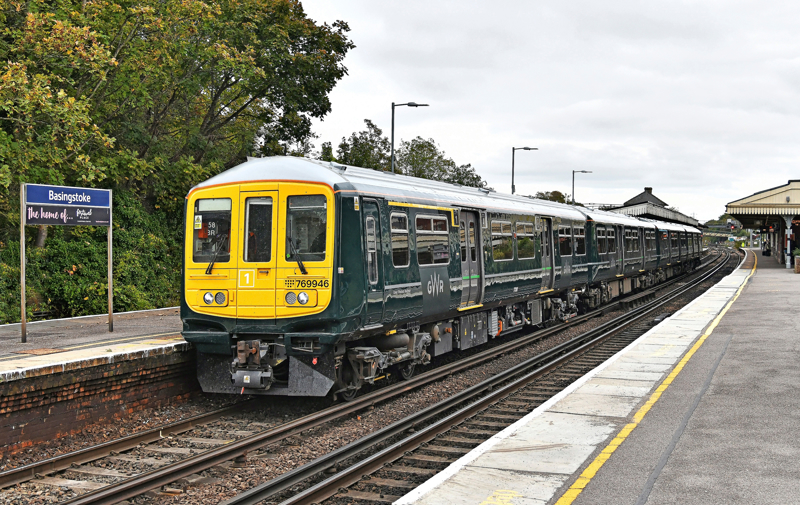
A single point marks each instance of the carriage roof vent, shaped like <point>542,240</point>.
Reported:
<point>337,166</point>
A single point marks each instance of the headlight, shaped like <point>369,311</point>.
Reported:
<point>220,298</point>
<point>290,298</point>
<point>302,298</point>
<point>208,298</point>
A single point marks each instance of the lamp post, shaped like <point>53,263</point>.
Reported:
<point>573,181</point>
<point>513,150</point>
<point>410,104</point>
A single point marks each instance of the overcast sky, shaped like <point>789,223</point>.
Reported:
<point>699,100</point>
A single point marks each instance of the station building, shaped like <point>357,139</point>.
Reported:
<point>776,212</point>
<point>649,206</point>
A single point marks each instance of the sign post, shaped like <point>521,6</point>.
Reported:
<point>64,206</point>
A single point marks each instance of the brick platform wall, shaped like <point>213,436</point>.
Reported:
<point>45,407</point>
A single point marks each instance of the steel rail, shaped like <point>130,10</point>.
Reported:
<point>139,484</point>
<point>542,363</point>
<point>64,461</point>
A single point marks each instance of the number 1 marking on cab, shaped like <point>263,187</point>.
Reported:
<point>247,278</point>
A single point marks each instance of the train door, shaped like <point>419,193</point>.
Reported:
<point>471,260</point>
<point>547,254</point>
<point>614,250</point>
<point>258,230</point>
<point>565,250</point>
<point>373,261</point>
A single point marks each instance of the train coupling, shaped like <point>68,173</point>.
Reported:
<point>247,369</point>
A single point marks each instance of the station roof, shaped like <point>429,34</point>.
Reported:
<point>645,196</point>
<point>767,205</point>
<point>649,206</point>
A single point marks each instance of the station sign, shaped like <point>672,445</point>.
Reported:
<point>42,204</point>
<point>66,206</point>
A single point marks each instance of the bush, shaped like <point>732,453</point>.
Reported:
<point>68,277</point>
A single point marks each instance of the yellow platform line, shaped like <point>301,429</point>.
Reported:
<point>583,480</point>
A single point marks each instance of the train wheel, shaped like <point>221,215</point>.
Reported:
<point>407,371</point>
<point>348,395</point>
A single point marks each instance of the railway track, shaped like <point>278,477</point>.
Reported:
<point>230,448</point>
<point>409,452</point>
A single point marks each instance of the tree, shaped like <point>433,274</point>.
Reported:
<point>553,196</point>
<point>171,91</point>
<point>366,149</point>
<point>423,158</point>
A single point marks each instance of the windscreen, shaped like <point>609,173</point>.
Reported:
<point>212,228</point>
<point>306,227</point>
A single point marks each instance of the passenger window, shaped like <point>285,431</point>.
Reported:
<point>601,240</point>
<point>611,237</point>
<point>526,241</point>
<point>306,227</point>
<point>433,246</point>
<point>400,253</point>
<point>212,227</point>
<point>565,241</point>
<point>258,223</point>
<point>502,241</point>
<point>580,241</point>
<point>372,251</point>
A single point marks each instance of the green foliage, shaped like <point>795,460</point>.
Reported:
<point>418,157</point>
<point>146,97</point>
<point>366,149</point>
<point>553,196</point>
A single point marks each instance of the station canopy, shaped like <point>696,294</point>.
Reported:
<point>767,207</point>
<point>647,205</point>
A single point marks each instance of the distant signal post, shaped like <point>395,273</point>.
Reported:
<point>64,206</point>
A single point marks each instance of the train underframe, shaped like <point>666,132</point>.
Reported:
<point>262,366</point>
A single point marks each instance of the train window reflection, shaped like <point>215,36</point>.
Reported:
<point>601,240</point>
<point>258,223</point>
<point>400,253</point>
<point>580,241</point>
<point>502,241</point>
<point>526,241</point>
<point>472,247</point>
<point>306,227</point>
<point>433,245</point>
<point>212,227</point>
<point>372,251</point>
<point>565,240</point>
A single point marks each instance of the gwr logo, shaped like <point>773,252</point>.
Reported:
<point>435,285</point>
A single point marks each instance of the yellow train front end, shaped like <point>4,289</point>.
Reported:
<point>258,261</point>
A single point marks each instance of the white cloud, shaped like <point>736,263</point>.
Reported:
<point>697,99</point>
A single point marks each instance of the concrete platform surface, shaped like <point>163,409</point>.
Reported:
<point>609,437</point>
<point>63,344</point>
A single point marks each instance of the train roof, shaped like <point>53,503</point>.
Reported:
<point>346,178</point>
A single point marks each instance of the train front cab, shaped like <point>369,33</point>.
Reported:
<point>258,259</point>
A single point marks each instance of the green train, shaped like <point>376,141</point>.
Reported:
<point>310,278</point>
